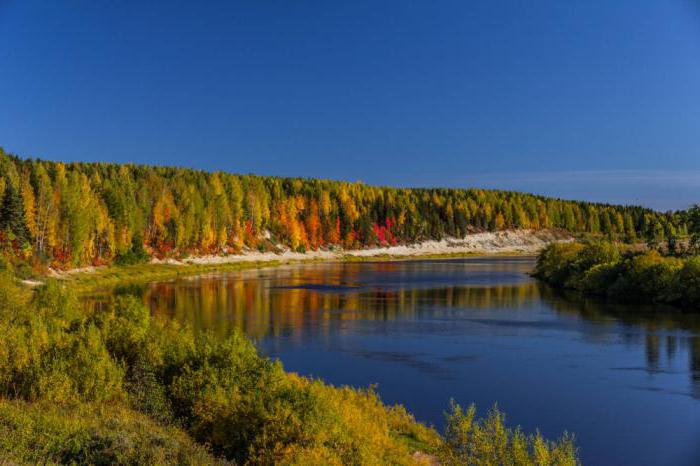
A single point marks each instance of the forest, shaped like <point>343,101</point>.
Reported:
<point>117,385</point>
<point>66,215</point>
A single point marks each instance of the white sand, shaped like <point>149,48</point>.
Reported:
<point>502,242</point>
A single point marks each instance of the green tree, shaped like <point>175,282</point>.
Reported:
<point>12,218</point>
<point>694,228</point>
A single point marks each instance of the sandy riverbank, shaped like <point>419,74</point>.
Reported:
<point>490,243</point>
<point>501,242</point>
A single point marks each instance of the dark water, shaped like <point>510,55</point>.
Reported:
<point>625,379</point>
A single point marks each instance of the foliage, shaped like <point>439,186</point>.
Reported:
<point>472,441</point>
<point>91,433</point>
<point>606,269</point>
<point>115,385</point>
<point>97,213</point>
<point>12,218</point>
<point>555,263</point>
<point>693,221</point>
<point>137,254</point>
<point>50,352</point>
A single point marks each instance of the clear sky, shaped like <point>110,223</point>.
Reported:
<point>596,99</point>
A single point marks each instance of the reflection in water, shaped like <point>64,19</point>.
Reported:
<point>317,299</point>
<point>287,300</point>
<point>478,329</point>
<point>660,329</point>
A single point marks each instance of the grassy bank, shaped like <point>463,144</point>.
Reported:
<point>117,386</point>
<point>615,271</point>
<point>110,276</point>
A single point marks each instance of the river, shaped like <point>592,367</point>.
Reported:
<point>624,379</point>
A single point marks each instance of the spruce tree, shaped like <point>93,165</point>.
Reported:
<point>12,218</point>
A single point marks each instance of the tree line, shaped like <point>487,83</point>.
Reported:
<point>73,214</point>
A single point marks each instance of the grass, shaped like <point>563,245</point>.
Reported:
<point>113,275</point>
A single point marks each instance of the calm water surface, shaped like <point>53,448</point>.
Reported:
<point>626,380</point>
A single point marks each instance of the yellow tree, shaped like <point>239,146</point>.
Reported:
<point>313,226</point>
<point>500,222</point>
<point>29,201</point>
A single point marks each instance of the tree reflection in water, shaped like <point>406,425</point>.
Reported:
<point>321,299</point>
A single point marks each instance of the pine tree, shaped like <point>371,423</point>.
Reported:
<point>12,218</point>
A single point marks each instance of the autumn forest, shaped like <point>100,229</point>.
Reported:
<point>74,214</point>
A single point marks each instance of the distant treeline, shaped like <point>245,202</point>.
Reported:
<point>606,269</point>
<point>71,214</point>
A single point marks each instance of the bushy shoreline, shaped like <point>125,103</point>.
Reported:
<point>117,386</point>
<point>615,271</point>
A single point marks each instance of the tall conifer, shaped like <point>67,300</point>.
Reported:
<point>12,219</point>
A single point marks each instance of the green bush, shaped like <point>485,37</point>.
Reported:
<point>598,279</point>
<point>17,266</point>
<point>91,433</point>
<point>116,386</point>
<point>50,352</point>
<point>137,254</point>
<point>687,284</point>
<point>607,270</point>
<point>555,264</point>
<point>489,441</point>
<point>596,253</point>
<point>647,277</point>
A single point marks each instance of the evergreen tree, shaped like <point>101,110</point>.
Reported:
<point>12,218</point>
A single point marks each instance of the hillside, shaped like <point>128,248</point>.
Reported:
<point>74,214</point>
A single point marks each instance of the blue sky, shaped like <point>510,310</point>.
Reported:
<point>581,99</point>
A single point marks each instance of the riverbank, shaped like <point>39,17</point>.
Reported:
<point>118,385</point>
<point>621,273</point>
<point>514,242</point>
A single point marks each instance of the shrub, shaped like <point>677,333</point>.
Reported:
<point>589,256</point>
<point>602,269</point>
<point>687,284</point>
<point>489,442</point>
<point>137,254</point>
<point>117,386</point>
<point>596,253</point>
<point>125,326</point>
<point>56,303</point>
<point>12,297</point>
<point>599,278</point>
<point>50,352</point>
<point>646,277</point>
<point>555,262</point>
<point>91,433</point>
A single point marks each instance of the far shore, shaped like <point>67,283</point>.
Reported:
<point>502,243</point>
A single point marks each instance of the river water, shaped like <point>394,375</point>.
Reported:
<point>624,379</point>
